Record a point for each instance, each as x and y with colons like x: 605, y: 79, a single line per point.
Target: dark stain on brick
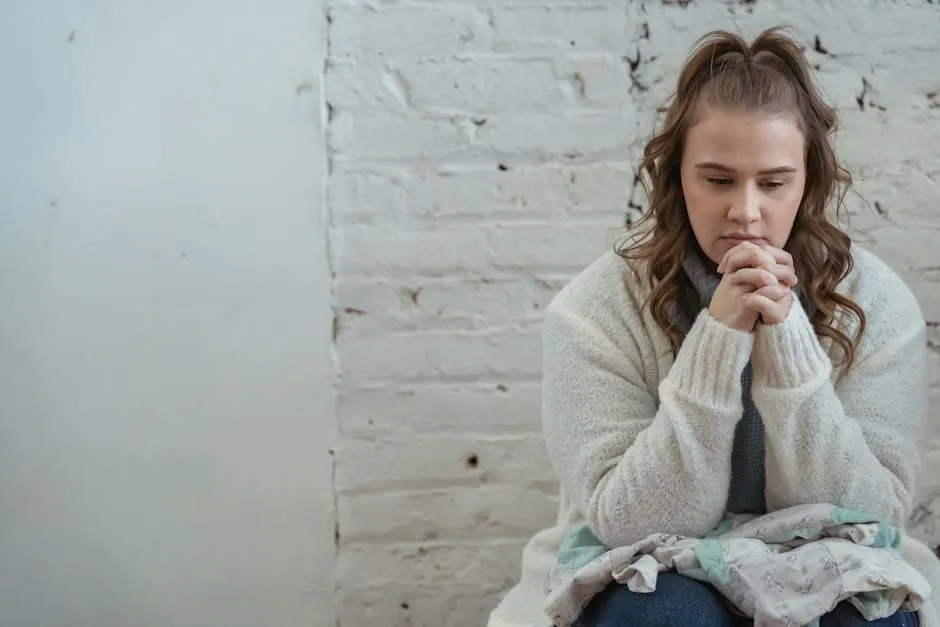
x: 405, y: 606
x: 502, y: 388
x: 645, y: 31
x: 479, y: 121
x: 572, y: 155
x: 860, y: 99
x: 336, y: 328
x: 681, y: 3
x: 572, y: 42
x: 472, y: 461
x: 502, y: 167
x: 634, y: 63
x: 934, y: 98
x: 329, y: 112
x: 933, y: 339
x: 71, y: 39
x: 352, y: 311
x: 820, y: 48
x: 579, y: 83
x: 413, y: 294
x: 635, y: 82
x: 632, y: 207
x: 881, y: 210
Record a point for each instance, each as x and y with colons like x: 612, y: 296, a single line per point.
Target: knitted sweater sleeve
x: 854, y: 444
x: 635, y: 467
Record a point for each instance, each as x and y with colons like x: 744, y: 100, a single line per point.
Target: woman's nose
x: 745, y: 206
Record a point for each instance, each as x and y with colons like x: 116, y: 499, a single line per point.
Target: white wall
x: 165, y: 400
x: 483, y: 152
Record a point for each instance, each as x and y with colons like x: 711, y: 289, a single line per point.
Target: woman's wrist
x: 788, y: 354
x: 710, y: 362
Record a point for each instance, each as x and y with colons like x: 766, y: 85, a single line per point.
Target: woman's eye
x: 773, y: 184
x: 719, y: 181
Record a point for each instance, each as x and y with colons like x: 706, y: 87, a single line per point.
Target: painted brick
x: 585, y: 135
x: 437, y: 606
x: 575, y: 27
x: 470, y: 514
x: 440, y: 462
x: 438, y: 409
x: 399, y: 137
x: 482, y: 153
x: 363, y: 251
x: 372, y: 308
x: 408, y: 357
x: 479, y: 84
x: 479, y: 566
x: 364, y: 30
x: 453, y: 193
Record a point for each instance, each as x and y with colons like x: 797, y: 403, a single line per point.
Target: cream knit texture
x: 641, y: 440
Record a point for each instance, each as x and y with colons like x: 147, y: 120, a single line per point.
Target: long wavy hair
x: 770, y: 74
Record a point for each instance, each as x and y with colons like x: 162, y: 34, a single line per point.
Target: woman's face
x: 743, y: 176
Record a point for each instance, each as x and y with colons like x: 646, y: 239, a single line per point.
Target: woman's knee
x: 677, y: 602
x: 845, y: 615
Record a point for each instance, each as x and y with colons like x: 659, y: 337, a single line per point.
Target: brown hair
x: 770, y: 74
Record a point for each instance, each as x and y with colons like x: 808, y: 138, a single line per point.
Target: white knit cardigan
x: 641, y: 442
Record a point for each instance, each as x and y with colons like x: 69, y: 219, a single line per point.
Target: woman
x: 739, y: 355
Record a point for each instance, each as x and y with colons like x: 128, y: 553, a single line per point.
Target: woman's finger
x: 780, y: 256
x: 773, y: 292
x: 770, y: 311
x: 747, y: 256
x: 784, y: 274
x: 763, y: 306
x: 731, y: 251
x: 754, y: 277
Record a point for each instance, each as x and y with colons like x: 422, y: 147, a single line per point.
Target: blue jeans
x: 682, y: 602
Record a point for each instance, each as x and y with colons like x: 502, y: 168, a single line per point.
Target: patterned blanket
x: 787, y: 568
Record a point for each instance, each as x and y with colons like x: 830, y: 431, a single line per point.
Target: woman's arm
x: 633, y: 468
x: 854, y: 445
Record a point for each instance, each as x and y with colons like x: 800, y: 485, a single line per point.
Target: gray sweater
x: 746, y: 491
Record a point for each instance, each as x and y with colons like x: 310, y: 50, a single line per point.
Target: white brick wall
x: 482, y: 153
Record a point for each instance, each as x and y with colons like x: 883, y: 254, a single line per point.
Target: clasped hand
x: 755, y: 286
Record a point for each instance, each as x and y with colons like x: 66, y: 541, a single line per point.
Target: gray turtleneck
x: 746, y: 492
